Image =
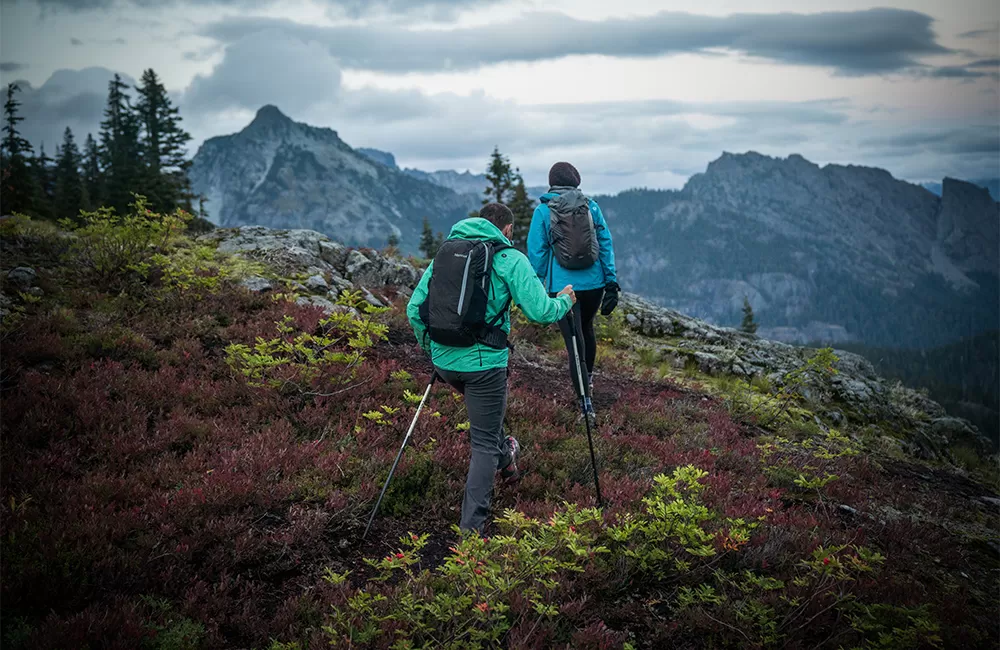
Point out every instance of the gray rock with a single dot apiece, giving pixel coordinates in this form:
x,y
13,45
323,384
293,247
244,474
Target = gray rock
x,y
374,270
316,301
960,433
371,299
257,284
35,291
317,284
333,254
22,277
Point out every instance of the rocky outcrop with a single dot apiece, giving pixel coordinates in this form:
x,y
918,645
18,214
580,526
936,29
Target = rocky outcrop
x,y
855,391
325,267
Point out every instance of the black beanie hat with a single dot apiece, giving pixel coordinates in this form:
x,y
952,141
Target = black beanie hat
x,y
565,174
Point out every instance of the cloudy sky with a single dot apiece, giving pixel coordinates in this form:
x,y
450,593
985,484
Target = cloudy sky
x,y
635,93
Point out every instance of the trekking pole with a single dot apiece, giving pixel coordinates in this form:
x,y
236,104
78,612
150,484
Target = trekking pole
x,y
400,454
583,407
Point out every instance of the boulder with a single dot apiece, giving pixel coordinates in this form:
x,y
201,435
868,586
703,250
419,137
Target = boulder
x,y
317,284
22,277
257,284
333,254
315,301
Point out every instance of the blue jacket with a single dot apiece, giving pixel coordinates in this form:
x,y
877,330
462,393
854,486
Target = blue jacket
x,y
555,277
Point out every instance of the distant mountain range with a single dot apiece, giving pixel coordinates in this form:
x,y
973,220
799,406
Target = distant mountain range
x,y
824,254
461,182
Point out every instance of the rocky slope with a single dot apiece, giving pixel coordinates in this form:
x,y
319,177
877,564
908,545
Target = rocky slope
x,y
823,253
855,393
281,173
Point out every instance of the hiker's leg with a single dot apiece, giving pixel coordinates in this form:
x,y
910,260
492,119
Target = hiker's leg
x,y
567,333
486,403
590,302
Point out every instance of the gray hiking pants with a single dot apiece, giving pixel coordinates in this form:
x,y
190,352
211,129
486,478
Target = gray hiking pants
x,y
485,394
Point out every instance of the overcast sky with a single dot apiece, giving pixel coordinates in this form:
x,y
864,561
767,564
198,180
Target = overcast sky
x,y
634,93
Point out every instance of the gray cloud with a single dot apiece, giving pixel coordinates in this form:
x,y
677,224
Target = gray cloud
x,y
853,43
437,9
73,98
974,70
258,70
981,33
12,66
75,41
970,140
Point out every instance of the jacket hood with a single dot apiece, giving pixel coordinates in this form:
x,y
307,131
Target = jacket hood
x,y
477,229
564,199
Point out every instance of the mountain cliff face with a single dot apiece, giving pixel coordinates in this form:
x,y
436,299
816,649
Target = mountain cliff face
x,y
281,173
824,254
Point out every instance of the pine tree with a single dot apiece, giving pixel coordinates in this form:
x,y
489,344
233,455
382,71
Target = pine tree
x,y
392,240
749,325
500,178
120,156
44,183
69,191
93,180
164,176
16,181
427,244
438,243
523,208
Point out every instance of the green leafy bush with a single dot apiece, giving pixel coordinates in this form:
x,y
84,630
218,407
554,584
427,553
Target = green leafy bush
x,y
116,249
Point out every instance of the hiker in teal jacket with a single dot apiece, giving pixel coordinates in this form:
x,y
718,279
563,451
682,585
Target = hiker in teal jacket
x,y
480,372
596,287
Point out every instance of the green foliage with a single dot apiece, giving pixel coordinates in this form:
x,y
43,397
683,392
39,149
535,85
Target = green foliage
x,y
466,602
889,627
674,520
611,328
115,250
523,208
293,361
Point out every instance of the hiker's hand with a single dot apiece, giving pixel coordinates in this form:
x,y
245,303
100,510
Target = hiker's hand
x,y
568,291
610,300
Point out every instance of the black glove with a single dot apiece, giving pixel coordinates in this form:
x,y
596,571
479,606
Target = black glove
x,y
610,300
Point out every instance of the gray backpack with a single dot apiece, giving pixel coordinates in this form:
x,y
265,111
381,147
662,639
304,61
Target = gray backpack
x,y
571,230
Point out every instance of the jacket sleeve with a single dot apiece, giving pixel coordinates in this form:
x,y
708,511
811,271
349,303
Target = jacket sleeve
x,y
538,243
529,294
607,256
413,310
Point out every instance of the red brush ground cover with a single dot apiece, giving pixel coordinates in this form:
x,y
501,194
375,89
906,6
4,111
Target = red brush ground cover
x,y
152,498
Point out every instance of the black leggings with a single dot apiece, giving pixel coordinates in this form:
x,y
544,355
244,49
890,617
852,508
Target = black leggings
x,y
587,304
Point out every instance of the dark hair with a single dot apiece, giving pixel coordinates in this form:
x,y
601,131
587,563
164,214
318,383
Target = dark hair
x,y
498,214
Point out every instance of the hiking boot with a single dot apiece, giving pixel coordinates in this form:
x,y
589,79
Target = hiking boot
x,y
511,472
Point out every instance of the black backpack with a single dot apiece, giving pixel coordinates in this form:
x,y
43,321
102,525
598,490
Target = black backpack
x,y
572,231
455,308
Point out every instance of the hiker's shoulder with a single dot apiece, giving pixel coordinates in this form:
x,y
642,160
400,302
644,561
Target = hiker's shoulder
x,y
507,259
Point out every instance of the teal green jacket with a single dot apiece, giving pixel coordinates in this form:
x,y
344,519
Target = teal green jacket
x,y
512,277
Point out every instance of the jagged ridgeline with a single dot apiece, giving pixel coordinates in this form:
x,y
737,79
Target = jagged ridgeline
x,y
832,253
285,174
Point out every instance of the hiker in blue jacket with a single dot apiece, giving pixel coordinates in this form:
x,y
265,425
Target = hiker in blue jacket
x,y
580,252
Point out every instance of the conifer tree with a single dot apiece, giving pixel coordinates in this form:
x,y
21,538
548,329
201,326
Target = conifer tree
x,y
500,178
16,181
392,240
749,325
44,183
523,208
427,244
93,180
162,143
69,194
119,148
